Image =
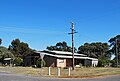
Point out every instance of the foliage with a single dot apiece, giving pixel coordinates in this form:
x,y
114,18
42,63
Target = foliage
x,y
19,49
5,53
97,50
113,45
113,63
40,63
103,62
18,61
61,46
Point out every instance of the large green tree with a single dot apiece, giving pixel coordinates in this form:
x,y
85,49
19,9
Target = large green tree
x,y
5,53
115,44
97,50
61,46
20,49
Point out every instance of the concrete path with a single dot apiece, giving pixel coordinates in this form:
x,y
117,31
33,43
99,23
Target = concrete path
x,y
15,77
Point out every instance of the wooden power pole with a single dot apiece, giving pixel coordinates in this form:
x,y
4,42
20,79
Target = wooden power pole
x,y
73,32
116,50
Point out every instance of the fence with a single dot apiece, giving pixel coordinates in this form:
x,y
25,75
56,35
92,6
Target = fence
x,y
59,71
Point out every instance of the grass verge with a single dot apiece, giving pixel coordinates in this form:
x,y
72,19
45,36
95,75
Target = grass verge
x,y
77,73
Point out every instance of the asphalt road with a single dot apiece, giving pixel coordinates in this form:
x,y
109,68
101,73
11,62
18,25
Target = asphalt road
x,y
15,77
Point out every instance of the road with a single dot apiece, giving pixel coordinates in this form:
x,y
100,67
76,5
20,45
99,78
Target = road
x,y
15,77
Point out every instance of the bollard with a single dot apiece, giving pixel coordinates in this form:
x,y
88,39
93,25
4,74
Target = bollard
x,y
49,71
58,71
69,71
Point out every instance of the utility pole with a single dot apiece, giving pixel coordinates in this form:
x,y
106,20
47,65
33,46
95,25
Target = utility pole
x,y
73,32
116,50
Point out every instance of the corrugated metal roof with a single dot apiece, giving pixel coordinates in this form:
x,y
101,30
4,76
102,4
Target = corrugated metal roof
x,y
7,58
69,53
64,56
62,53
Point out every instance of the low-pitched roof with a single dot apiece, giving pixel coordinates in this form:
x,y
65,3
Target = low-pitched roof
x,y
7,58
67,53
62,54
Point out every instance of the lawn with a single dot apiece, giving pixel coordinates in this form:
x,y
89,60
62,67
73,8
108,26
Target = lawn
x,y
78,72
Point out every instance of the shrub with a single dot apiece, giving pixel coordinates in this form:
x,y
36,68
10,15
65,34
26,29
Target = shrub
x,y
113,63
103,63
40,63
18,61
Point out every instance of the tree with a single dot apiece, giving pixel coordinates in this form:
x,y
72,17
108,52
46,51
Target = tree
x,y
97,50
5,53
20,49
61,46
115,44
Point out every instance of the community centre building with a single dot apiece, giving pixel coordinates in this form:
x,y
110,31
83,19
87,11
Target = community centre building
x,y
59,59
64,59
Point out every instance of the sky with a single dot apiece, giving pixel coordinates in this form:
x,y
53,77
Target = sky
x,y
42,23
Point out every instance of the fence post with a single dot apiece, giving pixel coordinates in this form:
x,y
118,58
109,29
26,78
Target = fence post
x,y
58,71
49,71
69,71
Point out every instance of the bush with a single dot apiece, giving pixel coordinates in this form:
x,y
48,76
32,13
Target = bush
x,y
113,63
103,63
40,63
18,61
